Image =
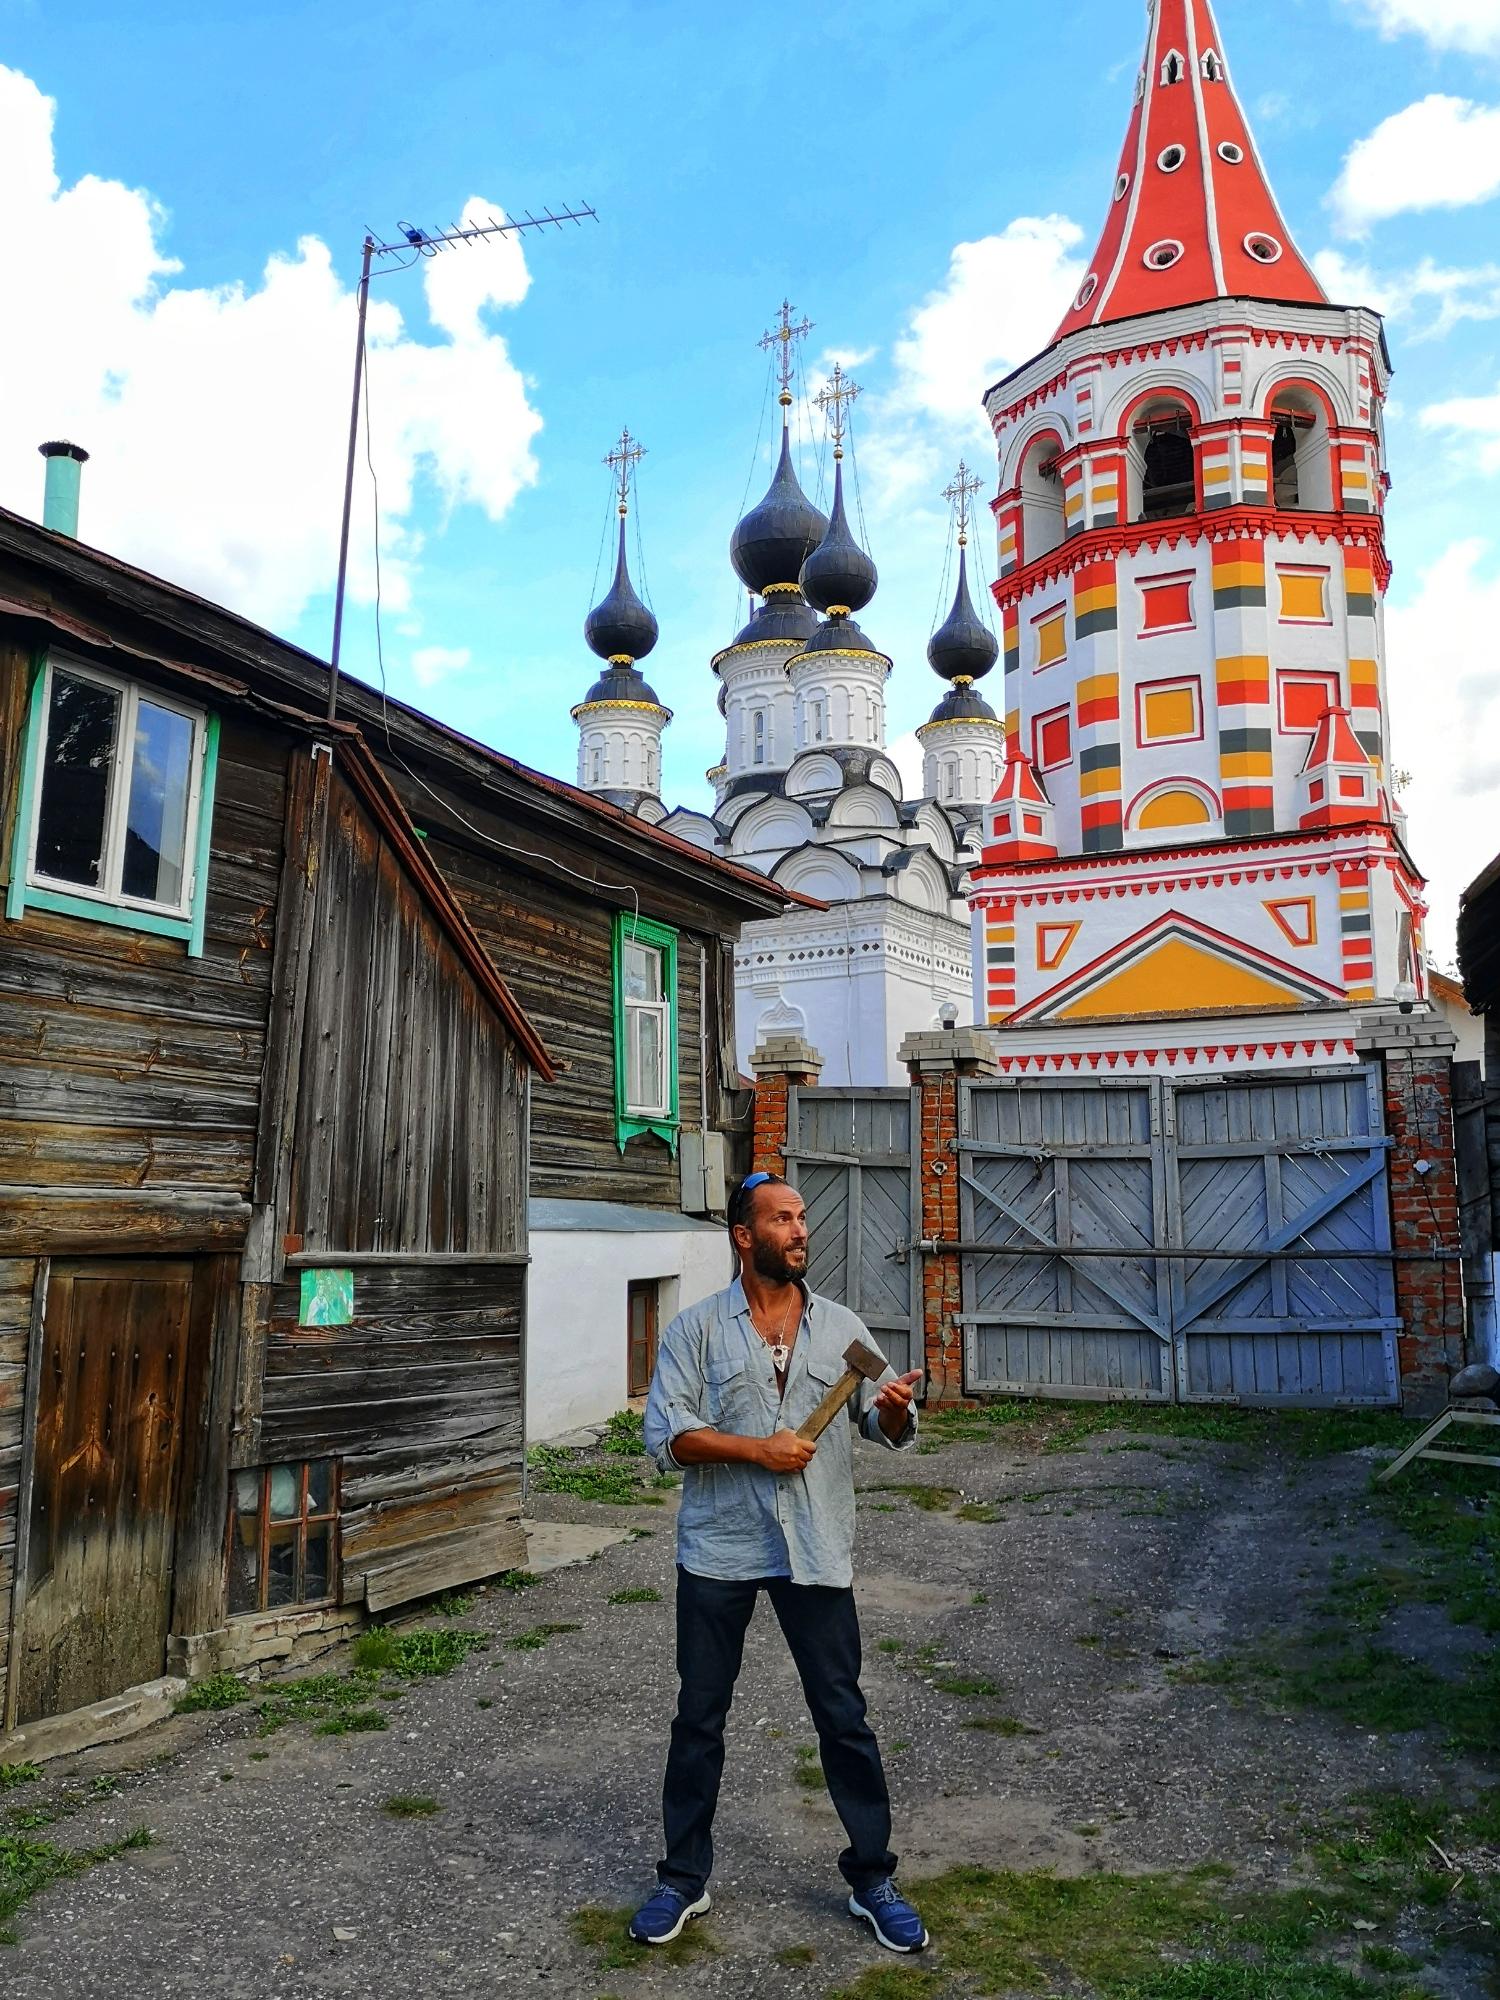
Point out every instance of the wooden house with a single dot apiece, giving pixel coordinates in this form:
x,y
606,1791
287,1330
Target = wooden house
x,y
1476,1105
265,1109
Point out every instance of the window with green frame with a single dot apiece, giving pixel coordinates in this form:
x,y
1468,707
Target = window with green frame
x,y
645,983
116,803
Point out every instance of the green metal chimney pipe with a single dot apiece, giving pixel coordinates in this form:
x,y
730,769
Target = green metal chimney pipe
x,y
64,471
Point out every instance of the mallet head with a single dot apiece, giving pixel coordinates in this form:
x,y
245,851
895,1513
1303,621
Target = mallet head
x,y
864,1361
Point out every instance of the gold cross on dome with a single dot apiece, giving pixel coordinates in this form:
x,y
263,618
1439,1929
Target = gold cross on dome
x,y
831,398
782,335
958,493
623,461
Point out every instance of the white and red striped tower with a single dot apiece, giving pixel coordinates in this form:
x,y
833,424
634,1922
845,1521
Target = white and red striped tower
x,y
1191,572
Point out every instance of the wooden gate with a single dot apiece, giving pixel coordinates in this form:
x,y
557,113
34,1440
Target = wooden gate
x,y
1277,1182
105,1465
850,1154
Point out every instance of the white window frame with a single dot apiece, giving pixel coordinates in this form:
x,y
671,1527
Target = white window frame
x,y
117,802
661,1011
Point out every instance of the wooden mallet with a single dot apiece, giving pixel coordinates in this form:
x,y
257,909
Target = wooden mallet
x,y
861,1364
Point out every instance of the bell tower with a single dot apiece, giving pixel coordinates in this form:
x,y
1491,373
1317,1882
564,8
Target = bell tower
x,y
1191,571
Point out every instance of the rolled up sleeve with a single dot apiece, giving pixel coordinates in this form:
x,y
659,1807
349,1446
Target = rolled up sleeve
x,y
869,1422
676,1400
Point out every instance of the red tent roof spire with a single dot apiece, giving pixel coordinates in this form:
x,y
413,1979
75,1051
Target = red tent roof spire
x,y
1192,216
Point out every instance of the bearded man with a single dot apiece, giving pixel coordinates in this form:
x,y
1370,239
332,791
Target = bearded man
x,y
764,1510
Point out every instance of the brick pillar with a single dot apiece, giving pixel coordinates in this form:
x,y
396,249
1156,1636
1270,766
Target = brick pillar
x,y
936,1061
1416,1056
779,1062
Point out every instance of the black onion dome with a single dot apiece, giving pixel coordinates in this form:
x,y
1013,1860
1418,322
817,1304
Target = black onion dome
x,y
786,619
621,627
840,635
961,704
775,538
622,683
838,575
962,648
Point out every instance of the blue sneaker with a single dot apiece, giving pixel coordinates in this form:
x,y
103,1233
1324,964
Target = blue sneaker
x,y
664,1916
895,1923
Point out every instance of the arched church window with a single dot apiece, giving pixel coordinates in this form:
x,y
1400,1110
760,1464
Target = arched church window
x,y
950,778
1212,67
596,766
817,721
758,736
1163,439
1174,69
1301,459
1043,523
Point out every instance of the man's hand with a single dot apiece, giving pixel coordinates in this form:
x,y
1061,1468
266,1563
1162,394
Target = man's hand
x,y
783,1451
894,1403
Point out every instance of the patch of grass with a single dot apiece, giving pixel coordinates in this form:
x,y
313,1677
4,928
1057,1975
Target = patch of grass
x,y
517,1579
625,1434
1047,1426
555,1470
886,1646
642,1595
529,1642
807,1772
980,1597
796,1954
12,1775
259,1756
352,1722
455,1604
1000,1725
212,1692
930,1499
967,1687
410,1805
29,1866
604,1932
977,1510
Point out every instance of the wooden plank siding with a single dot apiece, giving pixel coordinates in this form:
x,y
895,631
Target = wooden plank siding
x,y
17,1283
553,940
419,1397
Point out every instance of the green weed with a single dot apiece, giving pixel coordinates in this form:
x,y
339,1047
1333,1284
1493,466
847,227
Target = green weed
x,y
796,1954
555,1470
625,1434
966,1687
807,1771
517,1579
351,1722
212,1692
29,1866
930,1499
644,1594
411,1805
455,1604
12,1775
530,1642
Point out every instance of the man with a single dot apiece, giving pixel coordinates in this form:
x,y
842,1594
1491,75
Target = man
x,y
762,1509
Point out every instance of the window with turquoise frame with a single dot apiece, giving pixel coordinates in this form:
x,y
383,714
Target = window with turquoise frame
x,y
116,804
645,982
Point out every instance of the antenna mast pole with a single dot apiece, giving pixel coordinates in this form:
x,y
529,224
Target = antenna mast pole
x,y
414,243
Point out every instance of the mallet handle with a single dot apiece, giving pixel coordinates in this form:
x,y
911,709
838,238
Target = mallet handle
x,y
813,1427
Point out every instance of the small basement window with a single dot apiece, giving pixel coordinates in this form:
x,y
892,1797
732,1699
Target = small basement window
x,y
116,803
283,1535
645,974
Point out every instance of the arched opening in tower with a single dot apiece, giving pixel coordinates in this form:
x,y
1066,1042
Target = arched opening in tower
x,y
1167,483
1043,519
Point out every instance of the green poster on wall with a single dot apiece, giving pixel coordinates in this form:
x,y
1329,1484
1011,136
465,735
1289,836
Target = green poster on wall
x,y
327,1298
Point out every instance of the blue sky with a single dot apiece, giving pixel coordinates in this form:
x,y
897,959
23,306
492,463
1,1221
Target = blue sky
x,y
920,180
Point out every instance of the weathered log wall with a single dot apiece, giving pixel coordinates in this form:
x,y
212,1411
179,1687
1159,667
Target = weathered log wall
x,y
17,1280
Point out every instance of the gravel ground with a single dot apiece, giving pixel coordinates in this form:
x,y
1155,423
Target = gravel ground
x,y
275,1869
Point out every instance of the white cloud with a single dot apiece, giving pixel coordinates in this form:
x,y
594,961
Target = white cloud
x,y
1475,424
1430,299
1441,152
1470,25
431,664
217,417
1445,723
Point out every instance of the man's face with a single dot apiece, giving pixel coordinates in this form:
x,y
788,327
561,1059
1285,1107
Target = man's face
x,y
773,1236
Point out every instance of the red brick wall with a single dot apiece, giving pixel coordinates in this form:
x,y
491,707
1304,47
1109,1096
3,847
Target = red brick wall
x,y
768,1142
942,1298
1424,1217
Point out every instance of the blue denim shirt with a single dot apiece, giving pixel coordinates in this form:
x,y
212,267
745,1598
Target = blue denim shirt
x,y
713,1372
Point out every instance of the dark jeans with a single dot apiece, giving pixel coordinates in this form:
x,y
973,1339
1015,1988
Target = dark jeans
x,y
821,1630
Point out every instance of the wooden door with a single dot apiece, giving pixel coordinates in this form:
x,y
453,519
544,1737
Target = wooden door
x,y
106,1459
640,1309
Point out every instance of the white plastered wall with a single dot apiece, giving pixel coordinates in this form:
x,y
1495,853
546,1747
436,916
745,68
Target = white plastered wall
x,y
577,1338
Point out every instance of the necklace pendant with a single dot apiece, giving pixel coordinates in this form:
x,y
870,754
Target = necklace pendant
x,y
779,1353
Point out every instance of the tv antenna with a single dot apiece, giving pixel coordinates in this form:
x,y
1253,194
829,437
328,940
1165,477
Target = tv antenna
x,y
400,255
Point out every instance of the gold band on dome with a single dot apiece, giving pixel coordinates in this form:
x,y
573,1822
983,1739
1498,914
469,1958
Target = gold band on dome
x,y
648,707
838,611
959,722
776,589
621,660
